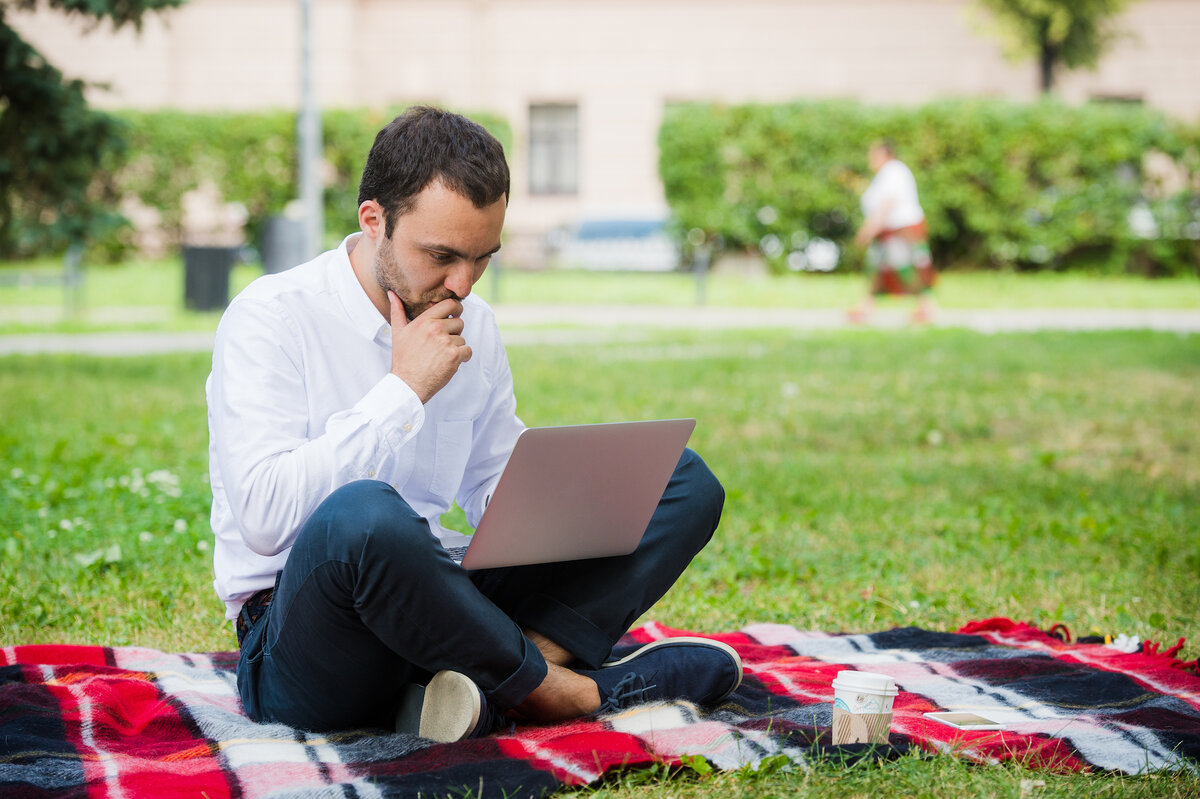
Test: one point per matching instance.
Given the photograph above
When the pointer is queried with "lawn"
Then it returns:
(149, 295)
(922, 477)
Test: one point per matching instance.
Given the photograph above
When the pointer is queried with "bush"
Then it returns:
(1004, 185)
(250, 157)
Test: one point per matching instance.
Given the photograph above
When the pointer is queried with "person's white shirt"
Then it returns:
(301, 401)
(894, 180)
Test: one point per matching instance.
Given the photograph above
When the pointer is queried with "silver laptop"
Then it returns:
(579, 491)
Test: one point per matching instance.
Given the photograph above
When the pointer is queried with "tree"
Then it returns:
(52, 145)
(1073, 33)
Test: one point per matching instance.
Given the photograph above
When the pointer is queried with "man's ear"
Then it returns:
(372, 219)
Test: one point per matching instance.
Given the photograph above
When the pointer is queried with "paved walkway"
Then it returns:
(539, 323)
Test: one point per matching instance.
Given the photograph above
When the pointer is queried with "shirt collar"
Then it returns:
(358, 306)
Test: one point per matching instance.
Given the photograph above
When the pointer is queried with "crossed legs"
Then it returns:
(369, 602)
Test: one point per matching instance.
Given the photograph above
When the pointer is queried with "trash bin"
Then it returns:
(206, 276)
(281, 243)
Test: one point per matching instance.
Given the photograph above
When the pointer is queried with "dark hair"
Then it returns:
(424, 144)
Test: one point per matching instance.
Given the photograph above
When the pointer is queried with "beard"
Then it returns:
(391, 278)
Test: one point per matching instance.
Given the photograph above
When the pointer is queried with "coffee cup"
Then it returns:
(862, 707)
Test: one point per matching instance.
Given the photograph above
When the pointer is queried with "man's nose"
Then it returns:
(461, 278)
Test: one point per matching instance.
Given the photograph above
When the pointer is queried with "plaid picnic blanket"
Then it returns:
(130, 722)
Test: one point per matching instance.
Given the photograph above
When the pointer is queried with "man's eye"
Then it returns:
(441, 257)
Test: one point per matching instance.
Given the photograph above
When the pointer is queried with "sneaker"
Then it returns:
(696, 669)
(450, 708)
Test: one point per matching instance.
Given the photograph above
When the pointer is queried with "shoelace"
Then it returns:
(630, 689)
(492, 720)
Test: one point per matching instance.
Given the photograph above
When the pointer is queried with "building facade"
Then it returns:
(584, 83)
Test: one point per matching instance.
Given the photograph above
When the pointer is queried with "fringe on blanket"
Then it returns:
(1060, 632)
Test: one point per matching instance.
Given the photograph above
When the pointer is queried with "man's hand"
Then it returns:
(427, 351)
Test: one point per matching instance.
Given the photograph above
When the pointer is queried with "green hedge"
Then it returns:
(252, 159)
(1005, 185)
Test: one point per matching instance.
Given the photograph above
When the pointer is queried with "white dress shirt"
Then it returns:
(301, 401)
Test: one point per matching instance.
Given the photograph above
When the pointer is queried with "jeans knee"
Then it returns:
(702, 488)
(367, 519)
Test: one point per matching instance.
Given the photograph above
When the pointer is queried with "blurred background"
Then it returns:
(1044, 135)
(687, 178)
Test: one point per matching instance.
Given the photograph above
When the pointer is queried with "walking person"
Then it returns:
(896, 237)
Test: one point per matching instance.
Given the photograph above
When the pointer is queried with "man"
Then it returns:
(352, 399)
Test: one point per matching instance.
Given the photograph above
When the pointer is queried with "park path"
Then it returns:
(522, 324)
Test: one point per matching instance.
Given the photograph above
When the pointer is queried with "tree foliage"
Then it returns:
(51, 143)
(1073, 33)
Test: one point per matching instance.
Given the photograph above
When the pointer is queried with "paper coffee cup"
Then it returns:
(862, 707)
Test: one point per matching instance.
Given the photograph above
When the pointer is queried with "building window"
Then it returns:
(554, 149)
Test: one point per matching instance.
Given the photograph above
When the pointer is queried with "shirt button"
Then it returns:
(371, 473)
(408, 427)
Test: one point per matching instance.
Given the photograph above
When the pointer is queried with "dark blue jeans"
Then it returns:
(369, 602)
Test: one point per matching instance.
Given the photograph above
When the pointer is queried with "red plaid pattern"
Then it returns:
(131, 722)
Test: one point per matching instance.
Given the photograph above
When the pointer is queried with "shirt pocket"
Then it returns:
(450, 457)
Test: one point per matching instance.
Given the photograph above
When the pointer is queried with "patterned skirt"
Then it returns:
(899, 261)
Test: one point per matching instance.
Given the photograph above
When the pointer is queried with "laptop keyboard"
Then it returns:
(457, 553)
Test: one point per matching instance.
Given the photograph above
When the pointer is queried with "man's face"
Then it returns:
(439, 249)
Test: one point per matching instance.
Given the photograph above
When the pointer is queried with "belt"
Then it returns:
(252, 611)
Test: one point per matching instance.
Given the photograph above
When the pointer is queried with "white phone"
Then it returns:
(965, 721)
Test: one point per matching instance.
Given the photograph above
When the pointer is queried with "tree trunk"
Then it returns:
(1048, 60)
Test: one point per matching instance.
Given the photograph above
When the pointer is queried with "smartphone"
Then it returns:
(965, 721)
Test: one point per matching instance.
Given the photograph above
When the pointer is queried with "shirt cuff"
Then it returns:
(395, 408)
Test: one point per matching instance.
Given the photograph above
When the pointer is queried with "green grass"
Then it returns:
(141, 295)
(149, 295)
(914, 775)
(955, 290)
(874, 479)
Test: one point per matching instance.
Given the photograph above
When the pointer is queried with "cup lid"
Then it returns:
(866, 681)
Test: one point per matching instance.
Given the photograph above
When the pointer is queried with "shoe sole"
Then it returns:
(685, 640)
(451, 707)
